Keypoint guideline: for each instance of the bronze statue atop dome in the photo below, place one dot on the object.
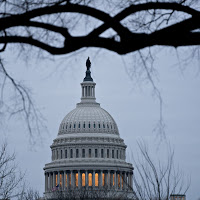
(88, 63)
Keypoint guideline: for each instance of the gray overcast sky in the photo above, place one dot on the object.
(56, 90)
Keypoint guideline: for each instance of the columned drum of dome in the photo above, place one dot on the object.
(88, 153)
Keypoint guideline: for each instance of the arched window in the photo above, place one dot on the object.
(89, 125)
(71, 153)
(79, 125)
(83, 153)
(107, 153)
(83, 179)
(90, 153)
(77, 153)
(65, 153)
(84, 125)
(102, 153)
(90, 179)
(96, 179)
(96, 153)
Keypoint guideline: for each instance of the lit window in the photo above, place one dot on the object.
(90, 179)
(60, 180)
(118, 180)
(76, 179)
(61, 154)
(71, 153)
(96, 152)
(96, 179)
(107, 153)
(77, 153)
(102, 153)
(70, 179)
(83, 153)
(90, 153)
(83, 179)
(66, 153)
(103, 177)
(113, 154)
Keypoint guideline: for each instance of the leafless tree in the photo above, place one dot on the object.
(156, 180)
(29, 194)
(86, 193)
(60, 27)
(12, 181)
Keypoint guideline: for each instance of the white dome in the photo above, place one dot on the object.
(88, 118)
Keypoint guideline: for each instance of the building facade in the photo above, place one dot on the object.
(88, 152)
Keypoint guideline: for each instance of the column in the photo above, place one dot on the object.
(46, 182)
(79, 179)
(49, 182)
(63, 181)
(109, 179)
(115, 179)
(106, 179)
(129, 177)
(54, 180)
(93, 179)
(72, 179)
(100, 178)
(125, 181)
(86, 178)
(68, 174)
(120, 176)
(58, 179)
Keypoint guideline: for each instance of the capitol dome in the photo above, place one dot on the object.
(88, 118)
(88, 154)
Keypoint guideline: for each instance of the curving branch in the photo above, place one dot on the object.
(178, 34)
